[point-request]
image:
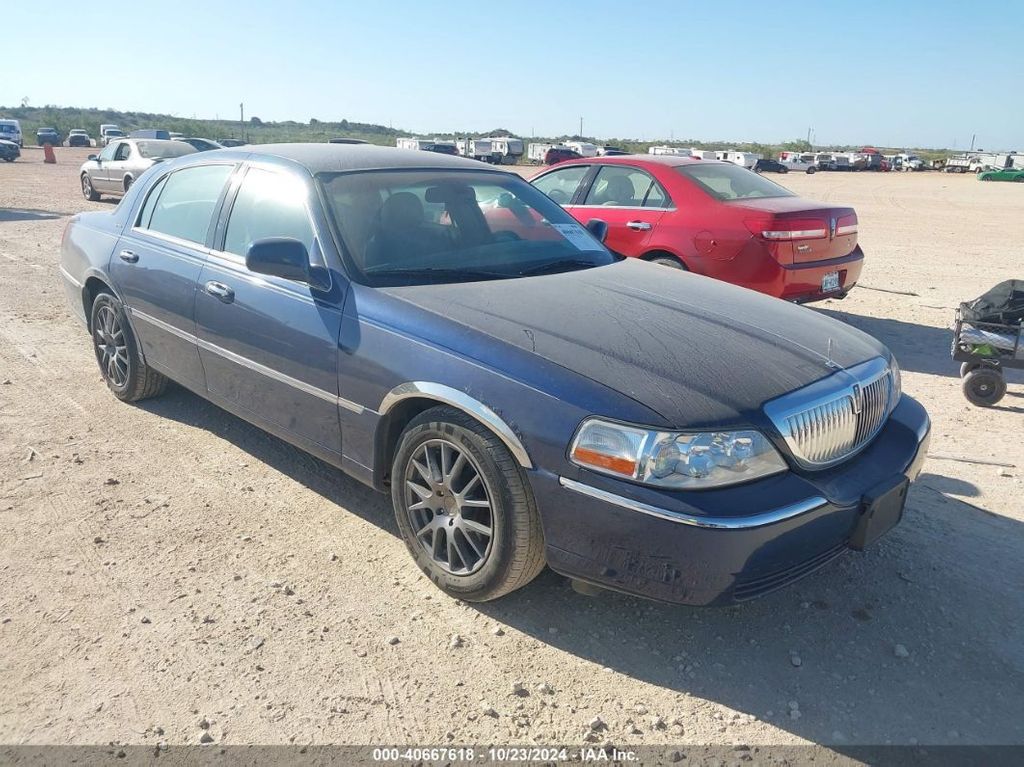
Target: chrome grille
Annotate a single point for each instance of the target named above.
(836, 417)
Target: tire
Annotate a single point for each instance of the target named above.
(88, 190)
(984, 387)
(481, 568)
(128, 181)
(810, 171)
(669, 261)
(967, 367)
(126, 375)
(784, 171)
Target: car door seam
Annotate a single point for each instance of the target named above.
(269, 372)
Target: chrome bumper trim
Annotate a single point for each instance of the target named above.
(67, 276)
(717, 523)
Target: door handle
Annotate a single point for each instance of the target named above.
(220, 291)
(638, 226)
(128, 256)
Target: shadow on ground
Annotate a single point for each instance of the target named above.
(27, 214)
(919, 639)
(918, 348)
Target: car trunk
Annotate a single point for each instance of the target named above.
(798, 231)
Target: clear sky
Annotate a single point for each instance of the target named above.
(896, 73)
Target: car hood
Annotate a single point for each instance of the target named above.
(697, 351)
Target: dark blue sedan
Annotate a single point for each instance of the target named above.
(444, 332)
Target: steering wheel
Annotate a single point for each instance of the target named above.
(557, 195)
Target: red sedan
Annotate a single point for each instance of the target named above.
(713, 218)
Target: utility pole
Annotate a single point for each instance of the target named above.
(581, 128)
(809, 137)
(973, 136)
(241, 121)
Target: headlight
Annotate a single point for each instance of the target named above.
(677, 460)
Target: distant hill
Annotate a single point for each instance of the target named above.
(258, 131)
(255, 130)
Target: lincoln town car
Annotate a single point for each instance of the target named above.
(446, 333)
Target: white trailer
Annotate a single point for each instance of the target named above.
(506, 150)
(703, 154)
(669, 150)
(413, 143)
(477, 148)
(537, 152)
(583, 148)
(743, 159)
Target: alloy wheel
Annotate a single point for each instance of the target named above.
(111, 346)
(448, 505)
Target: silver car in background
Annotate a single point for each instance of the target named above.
(115, 169)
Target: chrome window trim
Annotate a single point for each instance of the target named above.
(238, 359)
(622, 207)
(691, 520)
(458, 399)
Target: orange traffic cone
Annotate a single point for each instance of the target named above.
(48, 155)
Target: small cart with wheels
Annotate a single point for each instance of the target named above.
(988, 338)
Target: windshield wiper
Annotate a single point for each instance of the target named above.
(564, 265)
(436, 271)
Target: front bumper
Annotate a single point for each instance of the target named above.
(719, 546)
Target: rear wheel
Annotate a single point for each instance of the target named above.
(967, 367)
(464, 508)
(984, 387)
(669, 261)
(88, 191)
(811, 170)
(117, 353)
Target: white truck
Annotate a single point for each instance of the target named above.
(799, 161)
(909, 162)
(10, 130)
(109, 132)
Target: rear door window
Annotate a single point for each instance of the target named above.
(621, 186)
(187, 201)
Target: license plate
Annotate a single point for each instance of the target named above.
(830, 282)
(882, 510)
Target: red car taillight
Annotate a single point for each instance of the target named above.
(846, 225)
(787, 229)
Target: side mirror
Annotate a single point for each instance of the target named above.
(95, 157)
(598, 228)
(279, 257)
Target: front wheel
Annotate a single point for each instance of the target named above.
(88, 190)
(464, 508)
(984, 387)
(126, 375)
(811, 170)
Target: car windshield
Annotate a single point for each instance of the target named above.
(725, 181)
(162, 150)
(439, 226)
(114, 133)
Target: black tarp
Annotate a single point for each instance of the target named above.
(1003, 305)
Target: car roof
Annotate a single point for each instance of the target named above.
(336, 158)
(671, 160)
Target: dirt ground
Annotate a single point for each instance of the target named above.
(167, 565)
